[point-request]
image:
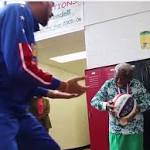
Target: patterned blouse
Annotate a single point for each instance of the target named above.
(108, 91)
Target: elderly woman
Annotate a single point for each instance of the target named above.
(129, 136)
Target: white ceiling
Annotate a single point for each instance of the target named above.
(61, 45)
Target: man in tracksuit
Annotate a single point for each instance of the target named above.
(21, 79)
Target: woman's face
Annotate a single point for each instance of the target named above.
(121, 79)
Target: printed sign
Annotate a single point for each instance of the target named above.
(68, 17)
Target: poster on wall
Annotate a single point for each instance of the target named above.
(145, 39)
(68, 17)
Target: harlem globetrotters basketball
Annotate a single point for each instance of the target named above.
(124, 105)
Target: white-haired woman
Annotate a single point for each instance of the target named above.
(130, 135)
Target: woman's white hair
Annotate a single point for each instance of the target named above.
(127, 68)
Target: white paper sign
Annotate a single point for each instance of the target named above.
(68, 17)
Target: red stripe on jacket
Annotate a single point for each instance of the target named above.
(30, 67)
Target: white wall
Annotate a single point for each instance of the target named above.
(112, 35)
(68, 117)
(100, 11)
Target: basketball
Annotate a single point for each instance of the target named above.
(124, 105)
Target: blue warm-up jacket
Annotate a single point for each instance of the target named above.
(20, 77)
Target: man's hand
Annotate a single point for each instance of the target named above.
(60, 95)
(72, 86)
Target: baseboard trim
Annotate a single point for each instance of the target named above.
(79, 148)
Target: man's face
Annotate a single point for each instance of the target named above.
(46, 12)
(121, 79)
